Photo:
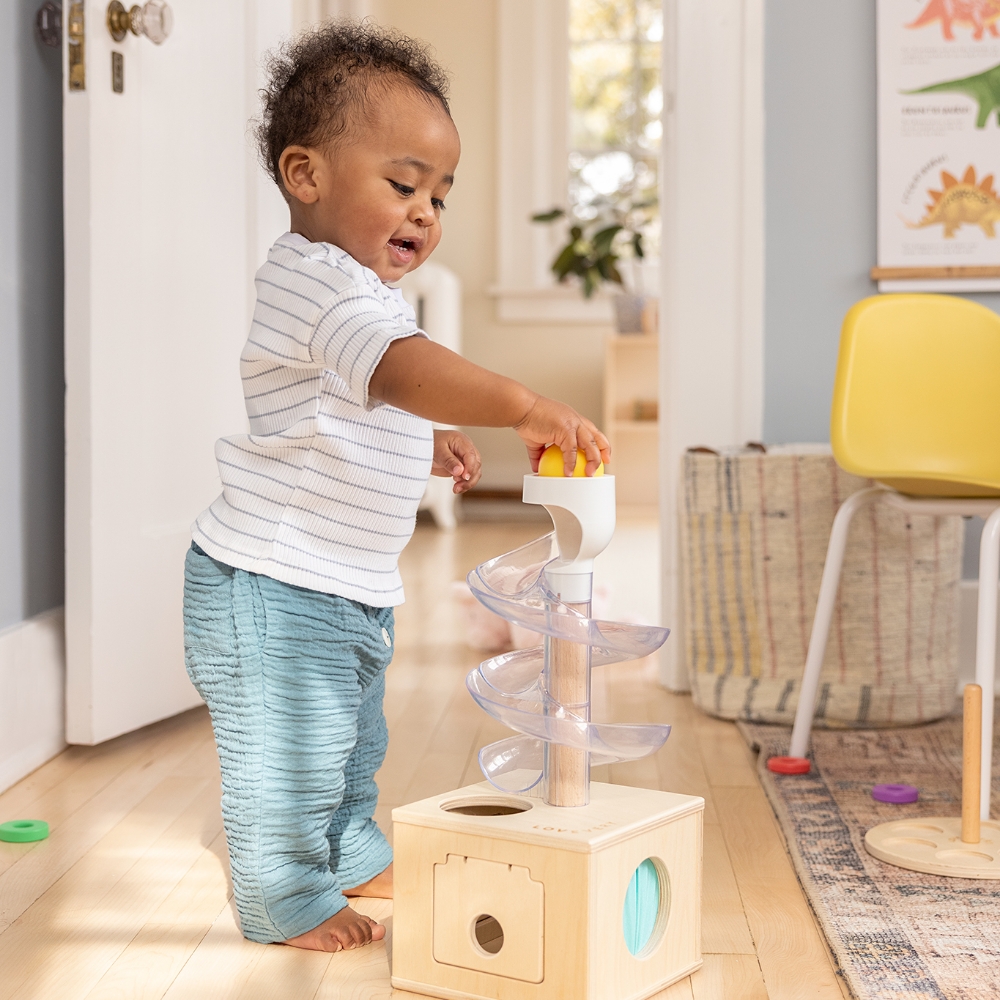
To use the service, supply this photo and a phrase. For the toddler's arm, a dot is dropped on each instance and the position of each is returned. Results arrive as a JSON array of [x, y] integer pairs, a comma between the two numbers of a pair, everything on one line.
[[427, 379]]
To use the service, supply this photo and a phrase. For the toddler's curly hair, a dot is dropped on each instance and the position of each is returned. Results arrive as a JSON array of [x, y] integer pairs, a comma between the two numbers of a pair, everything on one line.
[[322, 82]]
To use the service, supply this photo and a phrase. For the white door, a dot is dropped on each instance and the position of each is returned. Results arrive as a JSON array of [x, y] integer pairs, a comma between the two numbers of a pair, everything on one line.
[[167, 216]]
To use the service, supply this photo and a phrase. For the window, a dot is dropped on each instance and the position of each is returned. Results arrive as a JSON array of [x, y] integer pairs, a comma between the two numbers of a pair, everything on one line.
[[615, 100], [579, 98]]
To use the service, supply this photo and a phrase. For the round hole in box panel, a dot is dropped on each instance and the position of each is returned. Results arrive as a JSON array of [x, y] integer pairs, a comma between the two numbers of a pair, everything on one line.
[[488, 934], [486, 805], [647, 907]]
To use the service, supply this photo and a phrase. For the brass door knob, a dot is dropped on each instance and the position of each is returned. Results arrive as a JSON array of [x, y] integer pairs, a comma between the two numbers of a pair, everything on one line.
[[154, 19]]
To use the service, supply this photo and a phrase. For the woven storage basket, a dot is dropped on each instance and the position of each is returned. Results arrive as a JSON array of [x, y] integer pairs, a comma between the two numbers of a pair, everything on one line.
[[753, 531]]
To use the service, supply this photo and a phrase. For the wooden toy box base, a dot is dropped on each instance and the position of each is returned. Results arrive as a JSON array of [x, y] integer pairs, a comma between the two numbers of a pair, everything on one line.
[[503, 897]]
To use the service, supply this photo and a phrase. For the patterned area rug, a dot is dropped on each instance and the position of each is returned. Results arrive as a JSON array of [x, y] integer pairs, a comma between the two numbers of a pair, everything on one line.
[[893, 932]]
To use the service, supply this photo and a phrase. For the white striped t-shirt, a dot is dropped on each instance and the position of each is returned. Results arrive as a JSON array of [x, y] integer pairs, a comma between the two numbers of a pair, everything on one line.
[[323, 491]]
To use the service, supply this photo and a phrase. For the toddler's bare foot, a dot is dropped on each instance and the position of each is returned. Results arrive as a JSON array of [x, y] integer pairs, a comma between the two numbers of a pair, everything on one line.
[[345, 930], [380, 886]]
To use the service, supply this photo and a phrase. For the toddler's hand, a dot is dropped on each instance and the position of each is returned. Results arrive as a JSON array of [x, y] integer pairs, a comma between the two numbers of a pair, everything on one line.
[[455, 455], [550, 422]]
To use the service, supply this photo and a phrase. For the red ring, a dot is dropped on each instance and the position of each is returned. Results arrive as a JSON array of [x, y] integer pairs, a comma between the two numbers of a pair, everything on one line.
[[788, 765]]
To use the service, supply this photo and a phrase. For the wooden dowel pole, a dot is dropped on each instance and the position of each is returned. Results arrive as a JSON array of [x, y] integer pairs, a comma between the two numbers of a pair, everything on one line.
[[972, 738], [567, 770]]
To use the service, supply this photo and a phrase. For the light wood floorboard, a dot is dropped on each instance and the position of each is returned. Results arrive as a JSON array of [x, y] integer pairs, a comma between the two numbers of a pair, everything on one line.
[[129, 898]]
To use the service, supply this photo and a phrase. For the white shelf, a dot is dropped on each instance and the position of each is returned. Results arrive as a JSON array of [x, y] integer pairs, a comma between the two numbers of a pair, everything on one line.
[[635, 425], [631, 374], [633, 340]]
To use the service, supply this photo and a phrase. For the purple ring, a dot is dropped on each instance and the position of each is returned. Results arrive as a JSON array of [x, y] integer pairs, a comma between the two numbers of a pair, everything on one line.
[[895, 793]]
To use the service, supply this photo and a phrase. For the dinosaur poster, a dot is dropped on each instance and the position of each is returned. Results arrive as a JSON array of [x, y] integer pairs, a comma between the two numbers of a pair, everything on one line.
[[939, 144]]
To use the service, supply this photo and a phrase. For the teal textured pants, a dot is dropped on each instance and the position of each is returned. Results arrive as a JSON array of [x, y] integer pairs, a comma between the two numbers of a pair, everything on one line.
[[294, 681]]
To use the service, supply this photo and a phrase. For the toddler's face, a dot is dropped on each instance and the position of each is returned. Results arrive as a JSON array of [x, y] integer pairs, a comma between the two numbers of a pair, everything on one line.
[[379, 191]]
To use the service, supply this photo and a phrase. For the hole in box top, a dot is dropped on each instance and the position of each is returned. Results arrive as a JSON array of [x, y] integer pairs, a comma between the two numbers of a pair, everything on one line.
[[486, 806]]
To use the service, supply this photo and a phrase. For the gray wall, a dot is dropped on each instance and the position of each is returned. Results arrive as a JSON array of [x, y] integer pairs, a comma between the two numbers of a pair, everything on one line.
[[819, 150], [819, 224], [31, 319]]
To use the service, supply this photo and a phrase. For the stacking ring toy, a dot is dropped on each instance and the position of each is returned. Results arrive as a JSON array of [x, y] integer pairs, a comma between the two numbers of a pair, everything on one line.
[[23, 831], [895, 793], [788, 765]]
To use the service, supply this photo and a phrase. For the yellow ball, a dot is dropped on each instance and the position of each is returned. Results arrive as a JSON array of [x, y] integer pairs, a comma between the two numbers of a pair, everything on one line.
[[551, 463]]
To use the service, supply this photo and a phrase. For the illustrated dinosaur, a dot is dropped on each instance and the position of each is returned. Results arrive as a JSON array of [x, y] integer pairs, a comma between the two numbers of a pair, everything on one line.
[[983, 87], [980, 15], [962, 202]]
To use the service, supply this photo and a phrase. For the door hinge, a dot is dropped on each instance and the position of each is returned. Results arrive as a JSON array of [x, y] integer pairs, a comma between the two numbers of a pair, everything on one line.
[[76, 36]]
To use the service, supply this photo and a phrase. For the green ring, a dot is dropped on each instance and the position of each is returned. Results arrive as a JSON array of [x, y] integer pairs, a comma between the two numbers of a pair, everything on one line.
[[23, 831]]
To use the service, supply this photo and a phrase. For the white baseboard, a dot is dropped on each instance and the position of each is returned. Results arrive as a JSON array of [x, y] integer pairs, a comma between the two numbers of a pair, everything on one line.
[[968, 609], [33, 682]]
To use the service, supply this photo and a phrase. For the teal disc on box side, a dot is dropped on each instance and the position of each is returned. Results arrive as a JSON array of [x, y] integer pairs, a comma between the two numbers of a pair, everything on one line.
[[642, 906], [23, 831]]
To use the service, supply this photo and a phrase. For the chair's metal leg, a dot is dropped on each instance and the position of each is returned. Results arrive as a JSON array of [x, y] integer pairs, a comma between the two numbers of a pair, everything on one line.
[[824, 612], [986, 646]]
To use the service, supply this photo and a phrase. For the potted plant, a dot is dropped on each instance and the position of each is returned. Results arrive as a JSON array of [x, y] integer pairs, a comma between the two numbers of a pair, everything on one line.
[[596, 245]]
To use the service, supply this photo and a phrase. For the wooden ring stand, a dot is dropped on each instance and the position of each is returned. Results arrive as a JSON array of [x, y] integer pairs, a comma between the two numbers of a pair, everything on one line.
[[960, 847]]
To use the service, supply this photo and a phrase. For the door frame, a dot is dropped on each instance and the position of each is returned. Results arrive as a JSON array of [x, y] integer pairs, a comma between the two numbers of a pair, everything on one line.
[[712, 206]]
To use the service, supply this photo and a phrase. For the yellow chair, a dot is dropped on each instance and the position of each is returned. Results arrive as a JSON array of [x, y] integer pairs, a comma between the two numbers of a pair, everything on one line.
[[916, 407]]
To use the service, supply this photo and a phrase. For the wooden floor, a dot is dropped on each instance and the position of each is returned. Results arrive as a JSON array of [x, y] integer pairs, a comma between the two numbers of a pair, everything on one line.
[[129, 897]]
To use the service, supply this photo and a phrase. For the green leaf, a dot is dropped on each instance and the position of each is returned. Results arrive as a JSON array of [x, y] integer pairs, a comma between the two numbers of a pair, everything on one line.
[[606, 265], [563, 264], [567, 251], [603, 239], [576, 232], [550, 216]]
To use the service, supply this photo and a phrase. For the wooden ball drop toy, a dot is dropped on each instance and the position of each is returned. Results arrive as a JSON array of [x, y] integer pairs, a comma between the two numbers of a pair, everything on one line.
[[539, 883]]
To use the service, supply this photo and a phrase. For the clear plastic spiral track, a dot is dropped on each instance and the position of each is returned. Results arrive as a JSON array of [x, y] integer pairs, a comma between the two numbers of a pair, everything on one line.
[[519, 689]]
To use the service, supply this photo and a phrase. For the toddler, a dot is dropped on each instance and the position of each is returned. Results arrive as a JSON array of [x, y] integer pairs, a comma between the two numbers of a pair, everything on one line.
[[292, 575]]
